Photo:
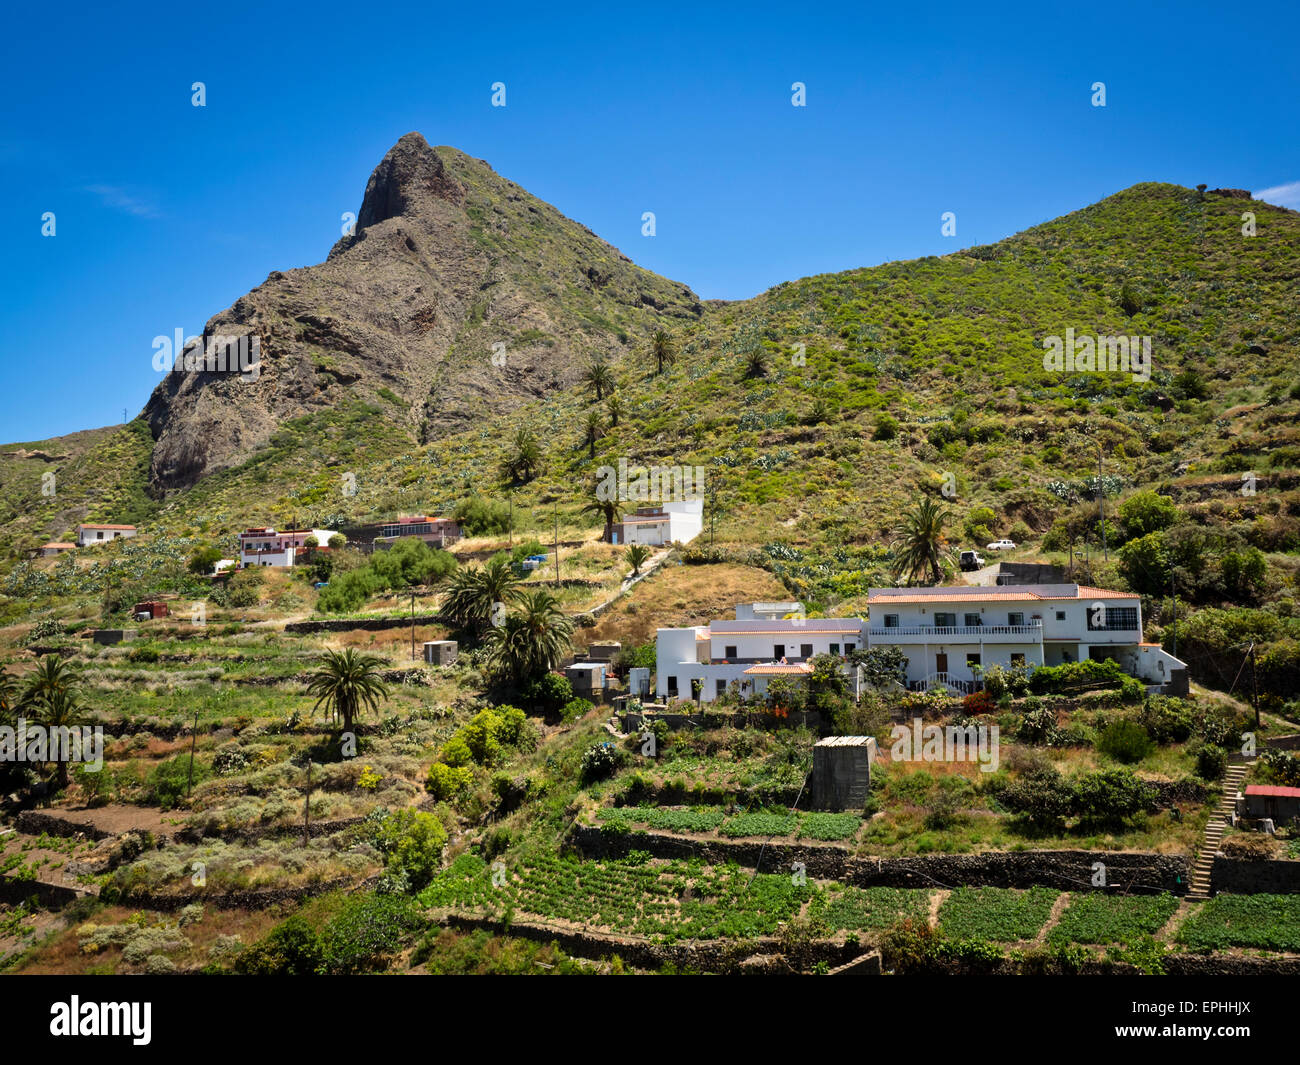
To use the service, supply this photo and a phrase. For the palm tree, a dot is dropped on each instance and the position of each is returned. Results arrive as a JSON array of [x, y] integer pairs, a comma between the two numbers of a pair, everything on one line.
[[527, 457], [533, 641], [9, 695], [661, 347], [920, 547], [347, 684], [53, 696], [600, 377], [593, 431], [615, 407], [473, 593], [607, 509], [637, 555], [756, 363]]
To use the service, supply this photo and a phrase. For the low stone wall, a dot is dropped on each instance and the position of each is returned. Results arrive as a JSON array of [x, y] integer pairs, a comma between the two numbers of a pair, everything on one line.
[[368, 624], [34, 822], [1066, 870], [251, 899], [756, 955], [16, 891], [254, 833], [1238, 876]]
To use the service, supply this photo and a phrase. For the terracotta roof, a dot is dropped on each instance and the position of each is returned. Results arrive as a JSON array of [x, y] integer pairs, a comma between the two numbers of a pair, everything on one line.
[[56, 543], [88, 526], [1274, 790], [1004, 594], [777, 669]]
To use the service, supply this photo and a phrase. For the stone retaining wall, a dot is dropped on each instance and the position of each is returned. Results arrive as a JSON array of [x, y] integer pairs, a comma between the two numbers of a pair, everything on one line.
[[1066, 870], [1239, 876]]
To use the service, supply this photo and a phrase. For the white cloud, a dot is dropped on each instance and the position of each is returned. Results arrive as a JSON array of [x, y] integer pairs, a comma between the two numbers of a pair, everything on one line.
[[120, 200], [1282, 195]]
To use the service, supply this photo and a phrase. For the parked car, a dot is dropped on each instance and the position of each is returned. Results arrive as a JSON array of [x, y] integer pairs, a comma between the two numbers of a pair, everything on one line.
[[971, 560], [1001, 545]]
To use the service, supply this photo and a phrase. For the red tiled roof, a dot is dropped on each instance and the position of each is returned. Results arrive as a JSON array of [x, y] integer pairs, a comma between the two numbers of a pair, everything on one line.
[[88, 526], [56, 543], [778, 669], [1273, 790]]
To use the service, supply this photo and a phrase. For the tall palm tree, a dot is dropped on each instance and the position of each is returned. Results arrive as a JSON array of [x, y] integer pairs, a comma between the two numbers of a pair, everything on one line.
[[473, 593], [920, 547], [347, 684], [637, 555], [661, 347], [592, 431], [53, 696], [532, 641], [607, 509], [9, 695], [614, 405], [600, 377]]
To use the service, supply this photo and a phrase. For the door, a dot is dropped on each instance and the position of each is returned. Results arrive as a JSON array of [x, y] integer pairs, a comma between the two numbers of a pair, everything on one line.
[[940, 662]]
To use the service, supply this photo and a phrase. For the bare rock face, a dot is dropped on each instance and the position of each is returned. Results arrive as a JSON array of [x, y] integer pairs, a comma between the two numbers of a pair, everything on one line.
[[448, 262]]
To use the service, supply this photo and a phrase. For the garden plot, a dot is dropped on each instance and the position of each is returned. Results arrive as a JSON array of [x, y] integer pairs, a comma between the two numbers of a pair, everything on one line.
[[750, 825], [1004, 915], [1261, 922], [1103, 919]]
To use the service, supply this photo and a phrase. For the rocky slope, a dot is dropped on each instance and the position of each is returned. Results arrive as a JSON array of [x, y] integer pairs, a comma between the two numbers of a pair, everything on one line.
[[447, 260]]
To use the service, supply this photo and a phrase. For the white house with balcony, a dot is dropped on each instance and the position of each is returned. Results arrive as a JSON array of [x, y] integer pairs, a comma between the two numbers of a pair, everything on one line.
[[267, 547], [950, 635], [702, 661]]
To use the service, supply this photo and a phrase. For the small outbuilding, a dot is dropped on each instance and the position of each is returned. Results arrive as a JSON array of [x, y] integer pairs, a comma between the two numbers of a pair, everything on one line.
[[441, 652], [841, 774], [1275, 802]]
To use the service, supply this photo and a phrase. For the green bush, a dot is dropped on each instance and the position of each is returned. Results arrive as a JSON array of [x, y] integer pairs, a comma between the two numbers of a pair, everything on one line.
[[367, 933], [168, 780], [1125, 741], [446, 782], [547, 693], [599, 761], [1211, 762], [291, 948]]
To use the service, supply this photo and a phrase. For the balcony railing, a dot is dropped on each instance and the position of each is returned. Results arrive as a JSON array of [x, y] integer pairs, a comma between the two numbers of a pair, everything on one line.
[[1034, 630], [943, 682]]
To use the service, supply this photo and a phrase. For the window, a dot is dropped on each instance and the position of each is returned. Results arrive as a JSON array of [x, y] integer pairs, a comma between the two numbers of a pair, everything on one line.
[[972, 621], [1116, 617], [972, 661], [99, 535], [672, 686], [1017, 659], [1016, 617], [835, 648], [729, 651], [848, 649], [891, 621], [1060, 615], [945, 620], [805, 650], [719, 688], [778, 650]]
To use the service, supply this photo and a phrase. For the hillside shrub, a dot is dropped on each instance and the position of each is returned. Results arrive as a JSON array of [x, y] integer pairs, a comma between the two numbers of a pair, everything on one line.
[[1125, 741]]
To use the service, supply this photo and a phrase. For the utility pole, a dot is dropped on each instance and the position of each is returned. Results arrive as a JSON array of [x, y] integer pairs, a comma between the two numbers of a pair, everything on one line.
[[194, 738], [1101, 503], [1173, 588], [1254, 687], [557, 544], [412, 624], [1071, 558], [306, 808], [511, 530]]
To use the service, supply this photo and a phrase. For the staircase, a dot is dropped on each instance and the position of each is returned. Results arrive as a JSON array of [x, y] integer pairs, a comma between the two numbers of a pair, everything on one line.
[[1200, 885]]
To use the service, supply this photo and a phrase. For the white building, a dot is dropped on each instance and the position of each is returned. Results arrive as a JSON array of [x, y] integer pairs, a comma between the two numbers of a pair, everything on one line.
[[750, 651], [950, 635], [89, 535], [663, 523], [266, 547]]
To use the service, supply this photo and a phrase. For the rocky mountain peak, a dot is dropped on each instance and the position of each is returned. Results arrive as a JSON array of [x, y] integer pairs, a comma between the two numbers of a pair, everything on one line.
[[409, 174]]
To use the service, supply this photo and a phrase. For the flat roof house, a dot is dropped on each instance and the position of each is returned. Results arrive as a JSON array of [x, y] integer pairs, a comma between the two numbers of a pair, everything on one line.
[[267, 547], [749, 651], [437, 532], [951, 634], [664, 523], [89, 535]]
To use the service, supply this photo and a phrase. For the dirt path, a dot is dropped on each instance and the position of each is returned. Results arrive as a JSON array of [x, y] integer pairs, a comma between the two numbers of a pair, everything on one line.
[[1058, 908]]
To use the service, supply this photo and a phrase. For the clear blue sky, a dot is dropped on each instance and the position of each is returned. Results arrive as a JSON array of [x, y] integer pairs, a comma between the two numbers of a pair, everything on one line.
[[166, 213]]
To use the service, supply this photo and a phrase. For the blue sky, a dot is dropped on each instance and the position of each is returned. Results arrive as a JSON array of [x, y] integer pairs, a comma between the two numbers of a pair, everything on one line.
[[165, 213]]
